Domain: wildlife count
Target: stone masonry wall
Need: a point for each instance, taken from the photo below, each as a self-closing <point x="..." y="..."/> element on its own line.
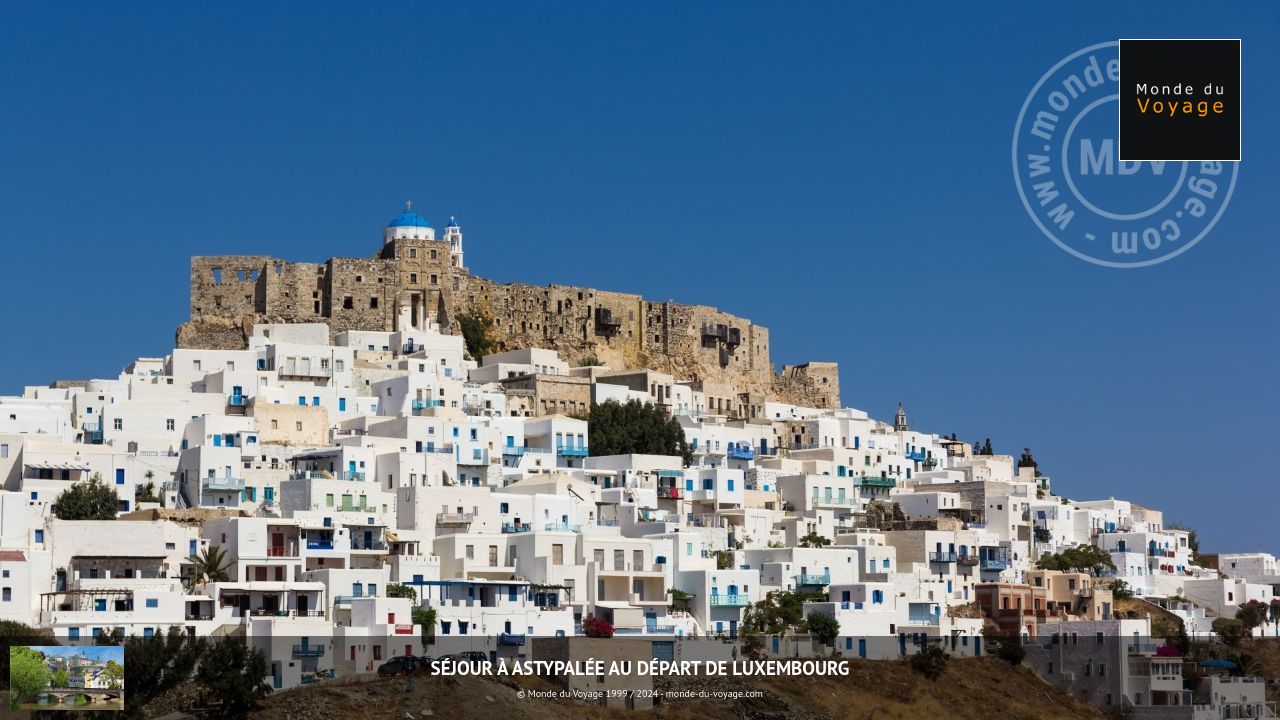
<point x="621" y="330"/>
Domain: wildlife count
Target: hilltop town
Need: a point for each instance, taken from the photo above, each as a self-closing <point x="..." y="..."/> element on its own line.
<point x="364" y="459"/>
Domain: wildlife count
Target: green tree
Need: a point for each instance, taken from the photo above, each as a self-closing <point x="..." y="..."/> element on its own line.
<point x="475" y="333"/>
<point x="1120" y="590"/>
<point x="1084" y="558"/>
<point x="426" y="618"/>
<point x="1252" y="614"/>
<point x="724" y="559"/>
<point x="27" y="673"/>
<point x="113" y="673"/>
<point x="1231" y="631"/>
<point x="59" y="679"/>
<point x="814" y="540"/>
<point x="91" y="500"/>
<point x="395" y="590"/>
<point x="209" y="566"/>
<point x="235" y="676"/>
<point x="158" y="664"/>
<point x="930" y="662"/>
<point x="635" y="428"/>
<point x="824" y="626"/>
<point x="1004" y="646"/>
<point x="778" y="612"/>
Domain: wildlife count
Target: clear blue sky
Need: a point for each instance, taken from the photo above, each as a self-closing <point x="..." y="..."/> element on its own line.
<point x="859" y="156"/>
<point x="93" y="652"/>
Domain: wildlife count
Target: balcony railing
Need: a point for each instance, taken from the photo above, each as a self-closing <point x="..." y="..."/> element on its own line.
<point x="735" y="600"/>
<point x="511" y="639"/>
<point x="942" y="557"/>
<point x="237" y="401"/>
<point x="879" y="482"/>
<point x="454" y="519"/>
<point x="370" y="545"/>
<point x="92" y="432"/>
<point x="967" y="559"/>
<point x="567" y="451"/>
<point x="917" y="456"/>
<point x="513" y="451"/>
<point x="304" y="370"/>
<point x="673" y="493"/>
<point x="807" y="579"/>
<point x="282" y="551"/>
<point x="741" y="453"/>
<point x="426" y="403"/>
<point x="223" y="484"/>
<point x="994" y="565"/>
<point x="347" y="506"/>
<point x="319" y="544"/>
<point x="563" y="527"/>
<point x="308" y="651"/>
<point x="516" y="528"/>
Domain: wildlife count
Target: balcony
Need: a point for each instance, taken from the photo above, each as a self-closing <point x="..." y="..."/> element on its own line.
<point x="807" y="579"/>
<point x="509" y="528"/>
<point x="380" y="545"/>
<point x="282" y="551"/>
<point x="300" y="651"/>
<point x="994" y="565"/>
<point x="454" y="519"/>
<point x="567" y="451"/>
<point x="511" y="639"/>
<point x="562" y="527"/>
<point x="917" y="456"/>
<point x="319" y="544"/>
<point x="942" y="557"/>
<point x="825" y="500"/>
<point x="223" y="484"/>
<point x="349" y="506"/>
<point x="93" y="433"/>
<point x="673" y="493"/>
<point x="878" y="482"/>
<point x="735" y="600"/>
<point x="238" y="401"/>
<point x="295" y="369"/>
<point x="420" y="404"/>
<point x="741" y="453"/>
<point x="513" y="451"/>
<point x="970" y="560"/>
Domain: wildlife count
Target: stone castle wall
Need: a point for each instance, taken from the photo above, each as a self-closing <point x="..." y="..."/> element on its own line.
<point x="622" y="330"/>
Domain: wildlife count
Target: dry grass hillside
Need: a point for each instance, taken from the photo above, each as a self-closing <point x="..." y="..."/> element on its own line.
<point x="969" y="689"/>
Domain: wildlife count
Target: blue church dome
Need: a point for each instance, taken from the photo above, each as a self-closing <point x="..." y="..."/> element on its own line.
<point x="408" y="218"/>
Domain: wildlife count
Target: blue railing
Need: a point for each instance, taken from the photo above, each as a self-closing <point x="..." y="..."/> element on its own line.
<point x="342" y="599"/>
<point x="735" y="600"/>
<point x="223" y="483"/>
<point x="563" y="527"/>
<point x="511" y="639"/>
<point x="807" y="579"/>
<point x="918" y="456"/>
<point x="237" y="401"/>
<point x="424" y="403"/>
<point x="994" y="565"/>
<point x="318" y="545"/>
<point x="308" y="650"/>
<point x="513" y="451"/>
<point x="516" y="527"/>
<point x="741" y="453"/>
<point x="566" y="451"/>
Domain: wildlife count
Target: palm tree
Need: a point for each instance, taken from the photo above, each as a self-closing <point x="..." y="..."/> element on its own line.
<point x="209" y="566"/>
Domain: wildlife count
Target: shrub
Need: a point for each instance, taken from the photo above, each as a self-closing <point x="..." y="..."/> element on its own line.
<point x="824" y="626"/>
<point x="595" y="627"/>
<point x="92" y="500"/>
<point x="930" y="662"/>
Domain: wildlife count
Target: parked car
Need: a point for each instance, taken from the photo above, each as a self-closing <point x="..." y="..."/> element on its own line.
<point x="401" y="665"/>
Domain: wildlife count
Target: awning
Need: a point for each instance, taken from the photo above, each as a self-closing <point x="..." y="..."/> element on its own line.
<point x="57" y="466"/>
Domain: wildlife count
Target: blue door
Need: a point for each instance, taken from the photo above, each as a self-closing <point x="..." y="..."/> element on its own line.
<point x="862" y="647"/>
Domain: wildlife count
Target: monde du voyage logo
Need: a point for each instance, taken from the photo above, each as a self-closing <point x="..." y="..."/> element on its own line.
<point x="1168" y="189"/>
